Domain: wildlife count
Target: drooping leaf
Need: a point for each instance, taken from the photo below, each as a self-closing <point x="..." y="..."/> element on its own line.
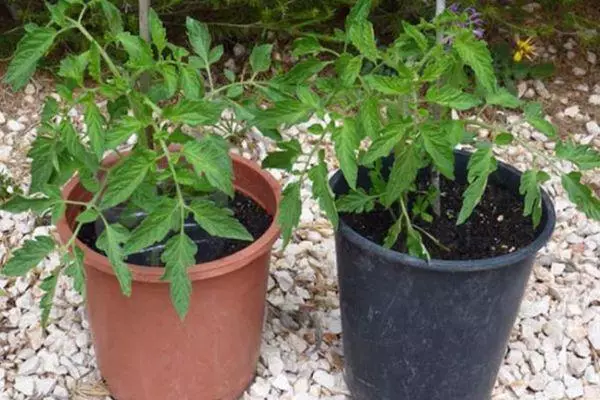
<point x="194" y="112"/>
<point x="415" y="34"/>
<point x="285" y="158"/>
<point x="48" y="285"/>
<point x="530" y="188"/>
<point x="260" y="58"/>
<point x="346" y="141"/>
<point x="391" y="85"/>
<point x="392" y="234"/>
<point x="585" y="157"/>
<point x="124" y="179"/>
<point x="356" y="202"/>
<point x="503" y="98"/>
<point x="289" y="211"/>
<point x="95" y="127"/>
<point x="191" y="83"/>
<point x="113" y="16"/>
<point x="122" y="130"/>
<point x="36" y="42"/>
<point x="95" y="63"/>
<point x="76" y="271"/>
<point x="210" y="157"/>
<point x="110" y="241"/>
<point x="139" y="51"/>
<point x="439" y="149"/>
<point x="362" y="36"/>
<point x="29" y="256"/>
<point x="43" y="155"/>
<point x="300" y="73"/>
<point x="322" y="192"/>
<point x="581" y="195"/>
<point x="403" y="174"/>
<point x="179" y="255"/>
<point x="78" y="151"/>
<point x="384" y="144"/>
<point x="348" y="68"/>
<point x="305" y="45"/>
<point x="534" y="114"/>
<point x="157" y="31"/>
<point x="287" y="112"/>
<point x="73" y="67"/>
<point x="415" y="245"/>
<point x="218" y="221"/>
<point x="449" y="96"/>
<point x="153" y="228"/>
<point x="481" y="164"/>
<point x="476" y="55"/>
<point x="369" y="117"/>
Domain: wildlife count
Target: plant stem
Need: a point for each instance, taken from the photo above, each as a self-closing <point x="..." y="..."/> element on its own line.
<point x="432" y="238"/>
<point x="144" y="11"/>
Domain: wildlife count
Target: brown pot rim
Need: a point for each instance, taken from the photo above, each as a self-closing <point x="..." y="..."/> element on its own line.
<point x="202" y="271"/>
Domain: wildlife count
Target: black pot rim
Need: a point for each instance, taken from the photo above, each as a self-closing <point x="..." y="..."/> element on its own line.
<point x="483" y="264"/>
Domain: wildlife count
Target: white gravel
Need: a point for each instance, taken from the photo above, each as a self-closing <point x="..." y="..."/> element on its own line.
<point x="553" y="351"/>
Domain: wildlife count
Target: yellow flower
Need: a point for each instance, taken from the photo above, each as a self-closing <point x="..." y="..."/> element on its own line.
<point x="525" y="49"/>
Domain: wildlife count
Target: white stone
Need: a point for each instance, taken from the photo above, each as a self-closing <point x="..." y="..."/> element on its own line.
<point x="15" y="126"/>
<point x="284" y="280"/>
<point x="44" y="386"/>
<point x="594" y="333"/>
<point x="25" y="385"/>
<point x="275" y="364"/>
<point x="29" y="366"/>
<point x="2" y="118"/>
<point x="592" y="58"/>
<point x="593" y="128"/>
<point x="572" y="111"/>
<point x="281" y="382"/>
<point x="555" y="390"/>
<point x="260" y="388"/>
<point x="594" y="99"/>
<point x="324" y="379"/>
<point x="574" y="387"/>
<point x="577" y="71"/>
<point x="30" y="89"/>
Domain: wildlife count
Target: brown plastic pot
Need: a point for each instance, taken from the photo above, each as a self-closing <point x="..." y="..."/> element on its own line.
<point x="144" y="351"/>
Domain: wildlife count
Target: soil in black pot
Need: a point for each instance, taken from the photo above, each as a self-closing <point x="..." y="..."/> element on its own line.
<point x="248" y="212"/>
<point x="496" y="227"/>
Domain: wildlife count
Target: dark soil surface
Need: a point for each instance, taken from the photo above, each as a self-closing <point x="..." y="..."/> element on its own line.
<point x="496" y="227"/>
<point x="210" y="248"/>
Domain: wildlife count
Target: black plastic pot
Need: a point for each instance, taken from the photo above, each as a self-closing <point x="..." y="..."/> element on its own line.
<point x="414" y="330"/>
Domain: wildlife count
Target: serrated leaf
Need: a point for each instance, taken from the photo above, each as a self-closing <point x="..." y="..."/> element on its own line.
<point x="139" y="51"/>
<point x="348" y="68"/>
<point x="157" y="31"/>
<point x="290" y="210"/>
<point x="210" y="157"/>
<point x="581" y="195"/>
<point x="530" y="188"/>
<point x="48" y="285"/>
<point x="415" y="34"/>
<point x="153" y="228"/>
<point x="19" y="204"/>
<point x="194" y="112"/>
<point x="436" y="68"/>
<point x="43" y="154"/>
<point x="585" y="157"/>
<point x="200" y="38"/>
<point x="403" y="174"/>
<point x="110" y="242"/>
<point x="30" y="49"/>
<point x="94" y="121"/>
<point x="481" y="164"/>
<point x="369" y="117"/>
<point x="76" y="149"/>
<point x="503" y="98"/>
<point x="287" y="112"/>
<point x="124" y="179"/>
<point x="87" y="216"/>
<point x="415" y="245"/>
<point x="179" y="255"/>
<point x="50" y="109"/>
<point x="113" y="16"/>
<point x="305" y="45"/>
<point x="235" y="91"/>
<point x="300" y="73"/>
<point x="122" y="130"/>
<point x="439" y="149"/>
<point x="29" y="256"/>
<point x="384" y="144"/>
<point x="95" y="63"/>
<point x="476" y="55"/>
<point x="391" y="85"/>
<point x="215" y="54"/>
<point x="362" y="36"/>
<point x="76" y="271"/>
<point x="356" y="202"/>
<point x="218" y="221"/>
<point x="73" y="67"/>
<point x="534" y="114"/>
<point x="449" y="96"/>
<point x="260" y="58"/>
<point x="285" y="158"/>
<point x="191" y="83"/>
<point x="346" y="141"/>
<point x="504" y="139"/>
<point x="322" y="192"/>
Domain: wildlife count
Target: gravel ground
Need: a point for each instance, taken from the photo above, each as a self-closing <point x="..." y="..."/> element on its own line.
<point x="554" y="352"/>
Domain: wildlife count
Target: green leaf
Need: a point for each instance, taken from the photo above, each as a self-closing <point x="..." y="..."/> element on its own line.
<point x="439" y="149"/>
<point x="153" y="228"/>
<point x="87" y="216"/>
<point x="362" y="36"/>
<point x="194" y="112"/>
<point x="503" y="98"/>
<point x="48" y="285"/>
<point x="534" y="114"/>
<point x="530" y="188"/>
<point x="449" y="96"/>
<point x="95" y="127"/>
<point x="215" y="54"/>
<point x="43" y="154"/>
<point x="391" y="85"/>
<point x="581" y="195"/>
<point x="50" y="109"/>
<point x="286" y="112"/>
<point x="284" y="159"/>
<point x="73" y="67"/>
<point x="301" y="72"/>
<point x="585" y="157"/>
<point x="476" y="55"/>
<point x="191" y="83"/>
<point x="30" y="49"/>
<point x="384" y="144"/>
<point x="110" y="242"/>
<point x="308" y="97"/>
<point x="210" y="157"/>
<point x="29" y="256"/>
<point x="179" y="255"/>
<point x="356" y="202"/>
<point x="78" y="151"/>
<point x="415" y="245"/>
<point x="346" y="141"/>
<point x="306" y="45"/>
<point x="504" y="139"/>
<point x="414" y="33"/>
<point x="481" y="164"/>
<point x="157" y="31"/>
<point x="19" y="204"/>
<point x="360" y="10"/>
<point x="348" y="68"/>
<point x="95" y="63"/>
<point x="392" y="235"/>
<point x="260" y="59"/>
<point x="122" y="130"/>
<point x="199" y="38"/>
<point x="124" y="179"/>
<point x="76" y="271"/>
<point x="218" y="221"/>
<point x="369" y="117"/>
<point x="113" y="16"/>
<point x="403" y="174"/>
<point x="289" y="211"/>
<point x="322" y="192"/>
<point x="139" y="52"/>
<point x="436" y="68"/>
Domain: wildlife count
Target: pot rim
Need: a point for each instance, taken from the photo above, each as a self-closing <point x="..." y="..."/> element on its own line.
<point x="222" y="266"/>
<point x="483" y="264"/>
